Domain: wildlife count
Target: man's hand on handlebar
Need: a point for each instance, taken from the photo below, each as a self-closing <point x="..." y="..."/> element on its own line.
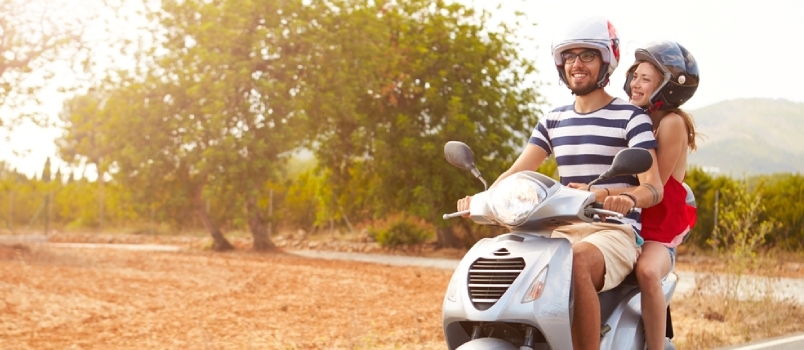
<point x="617" y="203"/>
<point x="463" y="205"/>
<point x="620" y="204"/>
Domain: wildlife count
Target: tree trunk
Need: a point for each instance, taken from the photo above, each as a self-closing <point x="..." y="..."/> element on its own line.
<point x="100" y="200"/>
<point x="11" y="211"/>
<point x="219" y="241"/>
<point x="447" y="238"/>
<point x="256" y="223"/>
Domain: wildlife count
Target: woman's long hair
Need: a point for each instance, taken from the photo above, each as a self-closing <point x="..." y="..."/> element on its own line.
<point x="689" y="123"/>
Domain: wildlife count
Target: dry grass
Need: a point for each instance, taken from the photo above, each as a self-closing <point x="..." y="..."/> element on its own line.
<point x="708" y="318"/>
<point x="100" y="299"/>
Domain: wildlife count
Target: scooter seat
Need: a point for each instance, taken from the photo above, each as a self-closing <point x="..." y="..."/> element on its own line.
<point x="630" y="280"/>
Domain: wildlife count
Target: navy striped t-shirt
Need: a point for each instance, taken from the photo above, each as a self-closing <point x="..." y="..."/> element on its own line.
<point x="584" y="145"/>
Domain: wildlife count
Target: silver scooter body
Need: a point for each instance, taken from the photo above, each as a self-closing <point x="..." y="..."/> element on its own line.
<point x="485" y="305"/>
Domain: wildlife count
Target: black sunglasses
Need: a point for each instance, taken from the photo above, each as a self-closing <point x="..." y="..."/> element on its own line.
<point x="586" y="56"/>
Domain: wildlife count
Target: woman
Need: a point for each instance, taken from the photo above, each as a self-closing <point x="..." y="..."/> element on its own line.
<point x="664" y="76"/>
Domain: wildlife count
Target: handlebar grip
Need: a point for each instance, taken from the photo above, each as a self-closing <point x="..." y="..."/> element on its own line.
<point x="455" y="214"/>
<point x="609" y="213"/>
<point x="598" y="205"/>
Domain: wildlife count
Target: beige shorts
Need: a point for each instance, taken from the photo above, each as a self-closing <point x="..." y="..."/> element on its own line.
<point x="615" y="241"/>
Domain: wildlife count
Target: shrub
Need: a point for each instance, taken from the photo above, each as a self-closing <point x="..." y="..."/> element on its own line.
<point x="401" y="232"/>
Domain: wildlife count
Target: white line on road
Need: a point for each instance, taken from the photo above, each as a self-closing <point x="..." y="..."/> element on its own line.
<point x="773" y="343"/>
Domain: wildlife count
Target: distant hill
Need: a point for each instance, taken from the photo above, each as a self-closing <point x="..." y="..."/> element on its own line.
<point x="750" y="137"/>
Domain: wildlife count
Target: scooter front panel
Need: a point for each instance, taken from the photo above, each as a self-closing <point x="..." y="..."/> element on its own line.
<point x="549" y="313"/>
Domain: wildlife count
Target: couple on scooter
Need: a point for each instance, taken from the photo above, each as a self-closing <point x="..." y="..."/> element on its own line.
<point x="585" y="136"/>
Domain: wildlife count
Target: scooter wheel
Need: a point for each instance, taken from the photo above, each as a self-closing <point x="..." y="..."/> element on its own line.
<point x="487" y="344"/>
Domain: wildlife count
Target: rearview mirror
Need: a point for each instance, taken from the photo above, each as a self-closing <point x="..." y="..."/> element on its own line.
<point x="630" y="161"/>
<point x="460" y="155"/>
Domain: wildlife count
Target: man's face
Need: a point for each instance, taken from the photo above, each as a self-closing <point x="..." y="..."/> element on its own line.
<point x="582" y="67"/>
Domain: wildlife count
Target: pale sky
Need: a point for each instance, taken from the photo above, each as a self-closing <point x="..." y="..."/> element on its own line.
<point x="741" y="46"/>
<point x="744" y="49"/>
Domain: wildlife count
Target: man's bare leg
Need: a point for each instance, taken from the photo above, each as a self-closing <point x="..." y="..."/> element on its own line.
<point x="588" y="271"/>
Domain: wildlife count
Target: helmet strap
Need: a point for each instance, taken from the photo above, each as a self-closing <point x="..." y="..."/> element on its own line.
<point x="603" y="76"/>
<point x="655" y="107"/>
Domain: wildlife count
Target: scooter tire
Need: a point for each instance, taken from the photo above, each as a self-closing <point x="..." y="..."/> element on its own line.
<point x="487" y="344"/>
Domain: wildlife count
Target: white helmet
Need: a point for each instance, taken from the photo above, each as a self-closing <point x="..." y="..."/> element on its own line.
<point x="594" y="33"/>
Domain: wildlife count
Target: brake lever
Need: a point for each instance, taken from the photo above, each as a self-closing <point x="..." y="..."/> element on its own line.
<point x="604" y="212"/>
<point x="597" y="208"/>
<point x="598" y="205"/>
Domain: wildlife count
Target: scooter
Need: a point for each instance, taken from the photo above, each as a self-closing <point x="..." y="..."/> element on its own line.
<point x="514" y="291"/>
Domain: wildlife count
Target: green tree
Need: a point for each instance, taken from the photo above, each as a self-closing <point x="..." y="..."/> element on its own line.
<point x="740" y="229"/>
<point x="85" y="139"/>
<point x="395" y="82"/>
<point x="784" y="202"/>
<point x="12" y="183"/>
<point x="708" y="193"/>
<point x="217" y="110"/>
<point x="164" y="138"/>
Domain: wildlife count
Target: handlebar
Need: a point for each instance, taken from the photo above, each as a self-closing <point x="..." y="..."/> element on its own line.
<point x="601" y="212"/>
<point x="455" y="214"/>
<point x="597" y="208"/>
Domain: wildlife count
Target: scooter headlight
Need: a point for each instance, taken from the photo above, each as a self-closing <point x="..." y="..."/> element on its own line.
<point x="515" y="197"/>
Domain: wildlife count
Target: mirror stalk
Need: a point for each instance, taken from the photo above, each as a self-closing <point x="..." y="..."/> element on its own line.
<point x="476" y="173"/>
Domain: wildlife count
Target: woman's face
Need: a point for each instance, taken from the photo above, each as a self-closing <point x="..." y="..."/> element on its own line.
<point x="644" y="82"/>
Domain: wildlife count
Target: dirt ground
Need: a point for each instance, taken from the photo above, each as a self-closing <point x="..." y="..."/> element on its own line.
<point x="110" y="299"/>
<point x="57" y="298"/>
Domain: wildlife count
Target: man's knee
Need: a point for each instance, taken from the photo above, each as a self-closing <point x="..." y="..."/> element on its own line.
<point x="586" y="259"/>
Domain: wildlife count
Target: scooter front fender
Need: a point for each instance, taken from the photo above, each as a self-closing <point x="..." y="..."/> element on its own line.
<point x="487" y="344"/>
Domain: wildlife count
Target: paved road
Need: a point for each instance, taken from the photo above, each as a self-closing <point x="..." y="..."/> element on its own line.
<point x="784" y="287"/>
<point x="794" y="342"/>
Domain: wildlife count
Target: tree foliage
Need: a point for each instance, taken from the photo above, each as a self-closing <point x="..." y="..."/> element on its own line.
<point x="399" y="80"/>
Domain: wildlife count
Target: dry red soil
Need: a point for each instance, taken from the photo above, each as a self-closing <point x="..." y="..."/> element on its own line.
<point x="110" y="299"/>
<point x="60" y="298"/>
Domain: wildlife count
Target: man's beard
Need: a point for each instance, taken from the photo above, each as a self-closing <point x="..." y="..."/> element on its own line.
<point x="583" y="90"/>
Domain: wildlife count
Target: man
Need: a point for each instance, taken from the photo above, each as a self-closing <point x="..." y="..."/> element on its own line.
<point x="584" y="137"/>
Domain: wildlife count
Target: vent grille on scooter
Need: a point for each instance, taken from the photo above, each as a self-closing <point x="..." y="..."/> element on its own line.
<point x="490" y="278"/>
